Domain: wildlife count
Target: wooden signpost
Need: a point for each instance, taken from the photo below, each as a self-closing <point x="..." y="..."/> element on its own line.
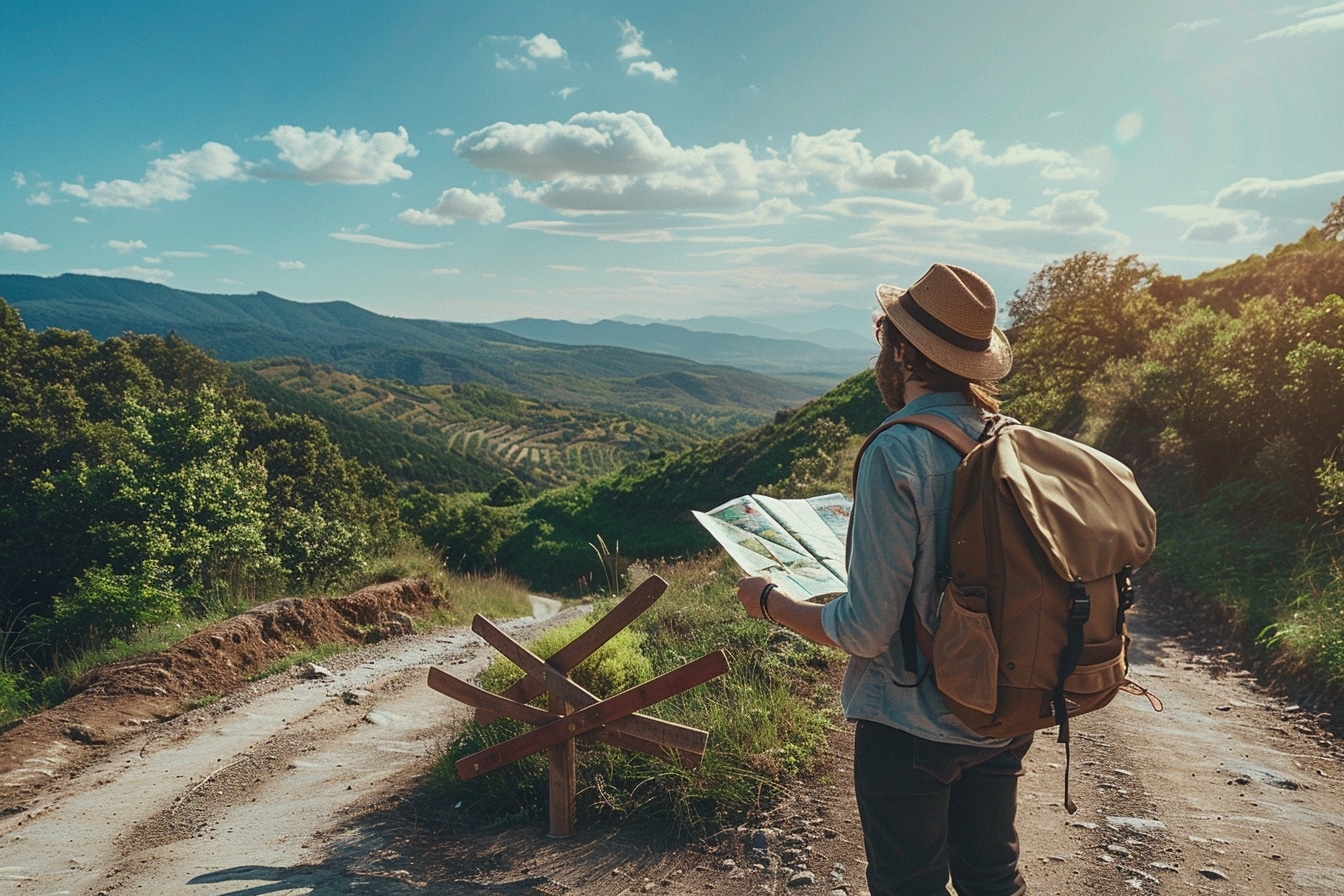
<point x="573" y="712"/>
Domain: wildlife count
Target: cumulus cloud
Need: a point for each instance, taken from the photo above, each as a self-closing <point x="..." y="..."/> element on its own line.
<point x="1072" y="212"/>
<point x="167" y="180"/>
<point x="632" y="43"/>
<point x="656" y="70"/>
<point x="371" y="240"/>
<point x="1053" y="164"/>
<point x="839" y="157"/>
<point x="444" y="132"/>
<point x="124" y="246"/>
<point x="530" y="49"/>
<point x="606" y="161"/>
<point x="16" y="243"/>
<point x="19" y="180"/>
<point x="290" y="265"/>
<point x="348" y="157"/>
<point x="457" y="203"/>
<point x="632" y="50"/>
<point x="1316" y="21"/>
<point x="39" y="198"/>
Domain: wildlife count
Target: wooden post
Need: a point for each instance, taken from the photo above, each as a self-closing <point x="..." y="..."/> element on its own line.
<point x="564" y="776"/>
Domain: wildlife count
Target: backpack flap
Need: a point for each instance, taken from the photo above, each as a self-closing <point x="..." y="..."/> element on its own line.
<point x="1082" y="506"/>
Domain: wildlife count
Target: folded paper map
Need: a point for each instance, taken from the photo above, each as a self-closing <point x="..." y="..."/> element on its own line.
<point x="799" y="543"/>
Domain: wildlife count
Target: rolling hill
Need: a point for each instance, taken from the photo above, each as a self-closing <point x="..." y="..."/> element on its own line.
<point x="420" y="352"/>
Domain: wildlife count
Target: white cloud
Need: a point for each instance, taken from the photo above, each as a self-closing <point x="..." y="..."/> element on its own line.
<point x="566" y="92"/>
<point x="1053" y="164"/>
<point x="19" y="180"/>
<point x="167" y="180"/>
<point x="539" y="46"/>
<point x="1318" y="21"/>
<point x="1302" y="199"/>
<point x="992" y="208"/>
<point x="350" y="157"/>
<point x="1210" y="224"/>
<point x="227" y="247"/>
<point x="1072" y="212"/>
<point x="124" y="246"/>
<point x="840" y="158"/>
<point x="654" y="69"/>
<point x="131" y="272"/>
<point x="78" y="219"/>
<point x="16" y="243"/>
<point x="632" y="43"/>
<point x="605" y="161"/>
<point x="632" y="50"/>
<point x="39" y="198"/>
<point x="457" y="203"/>
<point x="370" y="240"/>
<point x="290" y="265"/>
<point x="183" y="254"/>
<point x="1243" y="211"/>
<point x="446" y="272"/>
<point x="444" y="132"/>
<point x="566" y="268"/>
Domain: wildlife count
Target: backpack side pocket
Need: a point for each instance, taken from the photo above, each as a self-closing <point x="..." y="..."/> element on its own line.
<point x="965" y="653"/>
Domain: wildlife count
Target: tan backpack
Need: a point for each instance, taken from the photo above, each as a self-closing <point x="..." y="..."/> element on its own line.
<point x="1044" y="537"/>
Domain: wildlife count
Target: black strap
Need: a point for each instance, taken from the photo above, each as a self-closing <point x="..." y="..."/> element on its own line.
<point x="1080" y="608"/>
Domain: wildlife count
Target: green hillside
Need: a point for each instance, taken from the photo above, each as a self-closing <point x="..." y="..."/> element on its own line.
<point x="454" y="438"/>
<point x="420" y="352"/>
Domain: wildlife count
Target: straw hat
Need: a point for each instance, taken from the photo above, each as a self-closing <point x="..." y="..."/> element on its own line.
<point x="948" y="314"/>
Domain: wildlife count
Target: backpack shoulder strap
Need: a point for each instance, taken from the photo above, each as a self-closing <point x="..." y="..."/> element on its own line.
<point x="940" y="426"/>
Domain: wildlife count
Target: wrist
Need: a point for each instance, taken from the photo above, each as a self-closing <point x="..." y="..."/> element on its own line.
<point x="765" y="600"/>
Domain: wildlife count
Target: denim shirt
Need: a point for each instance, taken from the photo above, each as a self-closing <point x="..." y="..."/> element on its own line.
<point x="898" y="542"/>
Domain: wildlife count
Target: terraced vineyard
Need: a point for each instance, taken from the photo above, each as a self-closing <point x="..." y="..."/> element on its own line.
<point x="483" y="427"/>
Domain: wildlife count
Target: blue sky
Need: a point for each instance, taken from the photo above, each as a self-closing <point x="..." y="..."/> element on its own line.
<point x="483" y="161"/>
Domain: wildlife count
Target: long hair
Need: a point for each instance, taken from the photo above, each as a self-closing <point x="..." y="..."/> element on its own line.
<point x="982" y="394"/>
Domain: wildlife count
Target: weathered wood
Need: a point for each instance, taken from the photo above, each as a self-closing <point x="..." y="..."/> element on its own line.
<point x="588" y="641"/>
<point x="671" y="734"/>
<point x="564" y="776"/>
<point x="501" y="707"/>
<point x="603" y="712"/>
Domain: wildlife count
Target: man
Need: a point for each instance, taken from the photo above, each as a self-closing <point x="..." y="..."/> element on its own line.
<point x="935" y="798"/>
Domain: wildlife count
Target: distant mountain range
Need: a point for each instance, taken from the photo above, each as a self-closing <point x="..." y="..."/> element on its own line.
<point x="779" y="354"/>
<point x="834" y="326"/>
<point x="658" y="386"/>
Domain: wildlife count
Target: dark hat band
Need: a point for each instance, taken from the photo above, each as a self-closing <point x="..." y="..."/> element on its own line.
<point x="940" y="329"/>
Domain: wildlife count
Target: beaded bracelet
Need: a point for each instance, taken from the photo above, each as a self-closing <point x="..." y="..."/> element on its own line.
<point x="765" y="594"/>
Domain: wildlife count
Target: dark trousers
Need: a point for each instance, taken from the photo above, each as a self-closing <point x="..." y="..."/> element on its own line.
<point x="933" y="809"/>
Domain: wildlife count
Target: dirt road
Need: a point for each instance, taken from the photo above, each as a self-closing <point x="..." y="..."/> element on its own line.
<point x="297" y="786"/>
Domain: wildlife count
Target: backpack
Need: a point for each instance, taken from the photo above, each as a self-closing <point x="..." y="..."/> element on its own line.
<point x="1044" y="537"/>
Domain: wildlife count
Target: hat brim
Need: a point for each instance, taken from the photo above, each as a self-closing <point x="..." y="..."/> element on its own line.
<point x="991" y="364"/>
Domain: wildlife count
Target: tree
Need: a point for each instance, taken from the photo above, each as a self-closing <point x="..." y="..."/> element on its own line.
<point x="1073" y="318"/>
<point x="1332" y="228"/>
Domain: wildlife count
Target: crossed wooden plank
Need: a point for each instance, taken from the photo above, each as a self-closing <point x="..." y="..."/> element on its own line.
<point x="615" y="720"/>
